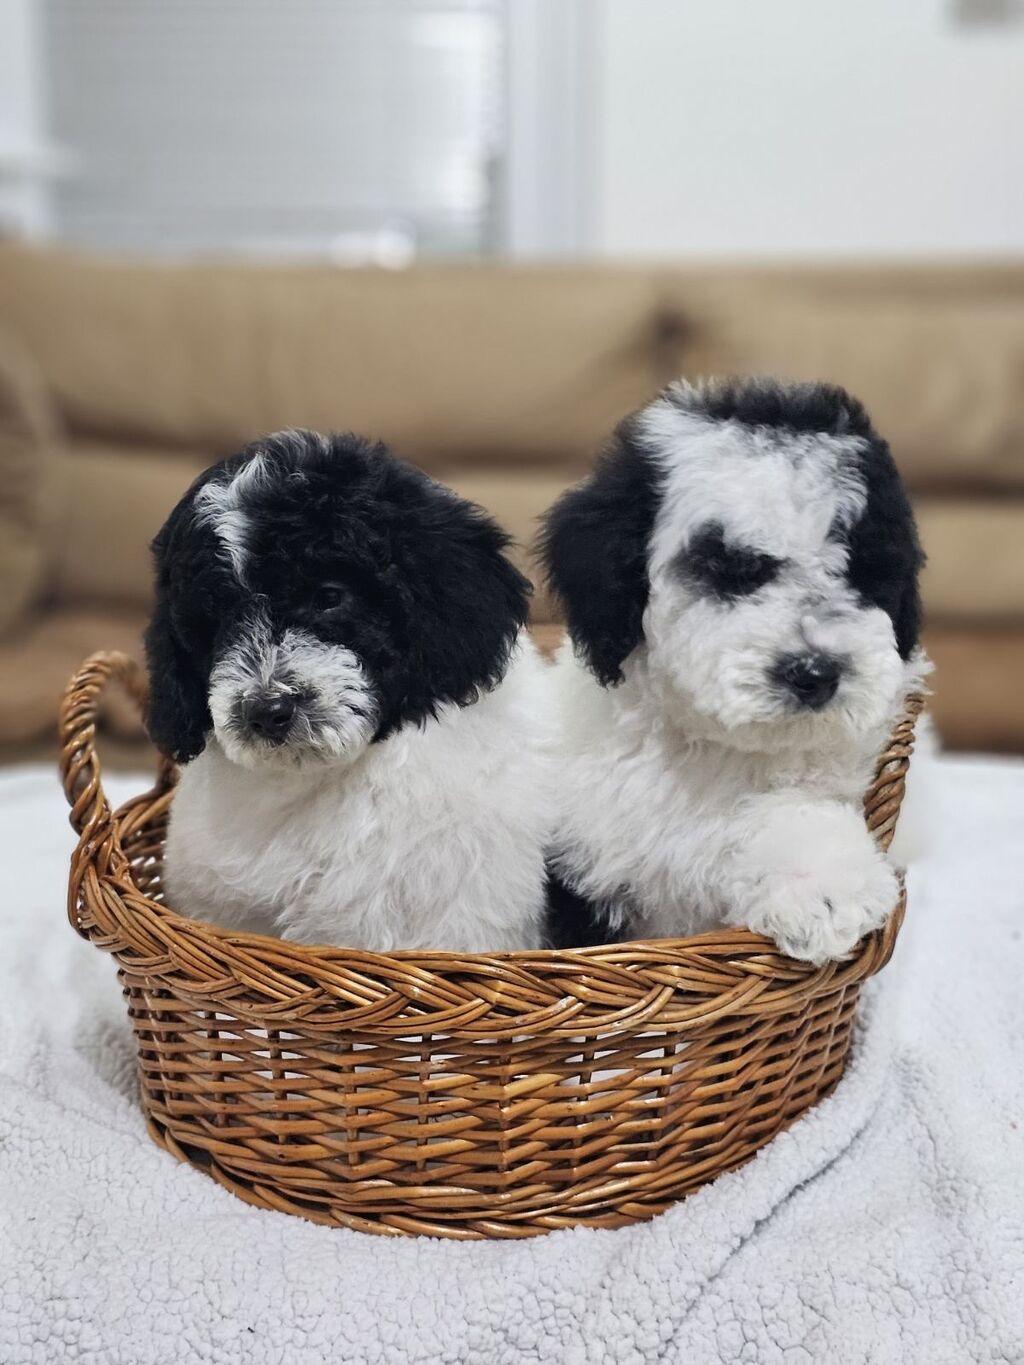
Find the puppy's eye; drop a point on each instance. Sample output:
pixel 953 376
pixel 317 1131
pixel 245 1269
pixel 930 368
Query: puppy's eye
pixel 334 599
pixel 712 565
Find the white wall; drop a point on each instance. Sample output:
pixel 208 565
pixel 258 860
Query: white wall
pixel 23 194
pixel 805 127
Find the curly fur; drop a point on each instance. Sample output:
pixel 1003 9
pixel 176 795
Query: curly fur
pixel 400 802
pixel 739 575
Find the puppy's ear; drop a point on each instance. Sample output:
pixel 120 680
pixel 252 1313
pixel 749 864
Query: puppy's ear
pixel 885 555
pixel 469 602
pixel 593 545
pixel 178 716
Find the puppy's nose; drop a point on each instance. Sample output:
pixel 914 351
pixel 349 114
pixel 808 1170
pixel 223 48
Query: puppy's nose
pixel 811 678
pixel 270 716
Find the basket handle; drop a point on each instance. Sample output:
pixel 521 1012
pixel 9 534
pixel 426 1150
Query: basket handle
pixel 884 797
pixel 79 763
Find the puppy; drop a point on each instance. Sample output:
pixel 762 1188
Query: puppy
pixel 740 578
pixel 337 660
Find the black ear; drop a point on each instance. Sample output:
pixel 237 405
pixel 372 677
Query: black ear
pixel 178 717
pixel 594 545
pixel 466 604
pixel 184 557
pixel 885 553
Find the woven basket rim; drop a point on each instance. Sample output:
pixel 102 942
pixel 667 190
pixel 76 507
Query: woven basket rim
pixel 735 942
pixel 263 977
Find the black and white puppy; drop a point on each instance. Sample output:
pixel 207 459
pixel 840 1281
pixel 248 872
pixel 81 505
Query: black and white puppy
pixel 740 577
pixel 337 659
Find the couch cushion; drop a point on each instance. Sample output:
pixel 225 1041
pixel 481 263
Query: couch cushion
pixel 454 364
pixel 975 555
pixel 938 358
pixel 976 686
pixel 36 664
pixel 113 501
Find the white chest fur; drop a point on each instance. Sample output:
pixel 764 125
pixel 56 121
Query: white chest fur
pixel 433 838
pixel 686 835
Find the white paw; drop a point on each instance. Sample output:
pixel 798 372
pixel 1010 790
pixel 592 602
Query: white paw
pixel 820 920
pixel 815 891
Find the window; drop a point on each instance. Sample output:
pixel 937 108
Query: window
pixel 363 129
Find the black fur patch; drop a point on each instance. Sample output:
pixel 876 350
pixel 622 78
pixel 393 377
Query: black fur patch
pixel 594 542
pixel 885 555
pixel 711 565
pixel 594 548
pixel 572 921
pixel 195 596
pixel 358 549
pixel 763 402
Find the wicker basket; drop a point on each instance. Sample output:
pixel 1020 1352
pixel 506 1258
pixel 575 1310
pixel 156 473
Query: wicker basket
pixel 453 1095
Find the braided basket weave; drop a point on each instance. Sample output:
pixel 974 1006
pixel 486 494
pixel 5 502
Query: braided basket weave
pixel 454 1095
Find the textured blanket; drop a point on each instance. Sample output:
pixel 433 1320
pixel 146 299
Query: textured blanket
pixel 886 1226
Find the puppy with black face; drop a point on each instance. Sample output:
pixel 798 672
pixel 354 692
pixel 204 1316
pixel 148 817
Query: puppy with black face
pixel 740 578
pixel 337 660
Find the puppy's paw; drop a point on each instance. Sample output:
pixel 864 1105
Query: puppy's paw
pixel 822 920
pixel 816 890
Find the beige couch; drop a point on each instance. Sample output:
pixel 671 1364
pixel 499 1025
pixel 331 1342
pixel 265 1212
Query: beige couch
pixel 119 381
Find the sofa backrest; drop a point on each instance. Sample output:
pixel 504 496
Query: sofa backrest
pixel 501 380
pixel 461 364
pixel 474 365
pixel 935 353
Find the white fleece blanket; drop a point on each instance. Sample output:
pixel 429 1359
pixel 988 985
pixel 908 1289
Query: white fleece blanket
pixel 886 1226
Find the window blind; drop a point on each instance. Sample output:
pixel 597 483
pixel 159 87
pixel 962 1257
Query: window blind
pixel 368 129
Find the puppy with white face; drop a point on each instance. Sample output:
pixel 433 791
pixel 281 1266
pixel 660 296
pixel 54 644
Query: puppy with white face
pixel 337 660
pixel 740 578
